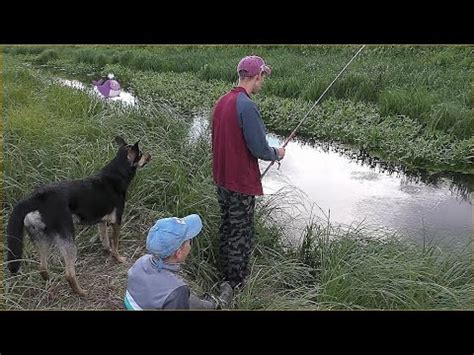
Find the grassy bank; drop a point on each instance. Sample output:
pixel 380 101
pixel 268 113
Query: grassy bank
pixel 53 132
pixel 407 105
pixel 431 84
pixel 2 290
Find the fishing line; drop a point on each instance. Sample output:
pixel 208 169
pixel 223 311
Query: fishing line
pixel 305 116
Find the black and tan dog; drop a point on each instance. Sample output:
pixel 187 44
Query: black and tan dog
pixel 50 212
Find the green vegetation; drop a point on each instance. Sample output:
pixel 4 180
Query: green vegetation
pixel 53 133
pixel 410 105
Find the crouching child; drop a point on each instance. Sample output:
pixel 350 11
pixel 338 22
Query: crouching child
pixel 154 281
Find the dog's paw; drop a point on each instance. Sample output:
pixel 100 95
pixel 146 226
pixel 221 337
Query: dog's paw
pixel 120 259
pixel 81 292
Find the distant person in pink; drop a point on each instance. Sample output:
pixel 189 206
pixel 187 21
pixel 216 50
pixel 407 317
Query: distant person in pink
pixel 108 87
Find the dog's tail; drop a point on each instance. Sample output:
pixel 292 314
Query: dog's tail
pixel 15 233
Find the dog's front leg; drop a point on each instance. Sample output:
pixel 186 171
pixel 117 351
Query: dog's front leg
pixel 114 242
pixel 104 237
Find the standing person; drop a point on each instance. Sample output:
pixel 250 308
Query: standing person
pixel 154 281
pixel 238 141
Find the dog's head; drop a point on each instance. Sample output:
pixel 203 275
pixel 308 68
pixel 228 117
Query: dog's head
pixel 134 155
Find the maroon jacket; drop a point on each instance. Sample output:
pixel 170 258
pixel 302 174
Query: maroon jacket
pixel 238 141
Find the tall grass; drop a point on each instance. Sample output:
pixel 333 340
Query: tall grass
pixel 46 56
pixel 404 80
pixel 2 247
pixel 354 271
pixel 428 86
pixel 24 50
pixel 53 133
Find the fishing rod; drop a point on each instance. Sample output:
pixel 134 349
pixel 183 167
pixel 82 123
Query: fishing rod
pixel 304 118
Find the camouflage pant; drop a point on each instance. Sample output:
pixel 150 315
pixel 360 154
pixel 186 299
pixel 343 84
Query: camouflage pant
pixel 236 234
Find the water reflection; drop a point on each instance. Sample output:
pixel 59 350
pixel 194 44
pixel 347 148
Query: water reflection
pixel 459 184
pixel 352 187
pixel 349 187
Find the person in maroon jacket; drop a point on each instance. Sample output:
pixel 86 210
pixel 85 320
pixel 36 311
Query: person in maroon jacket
pixel 238 141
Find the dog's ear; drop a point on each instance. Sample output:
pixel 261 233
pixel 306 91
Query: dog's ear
pixel 132 154
pixel 120 141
